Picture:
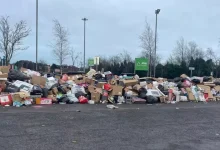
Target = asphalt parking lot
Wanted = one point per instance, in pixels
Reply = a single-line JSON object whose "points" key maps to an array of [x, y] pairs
{"points": [[184, 126]]}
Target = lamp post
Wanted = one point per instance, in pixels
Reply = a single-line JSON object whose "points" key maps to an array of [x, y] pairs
{"points": [[36, 32], [157, 11], [84, 58]]}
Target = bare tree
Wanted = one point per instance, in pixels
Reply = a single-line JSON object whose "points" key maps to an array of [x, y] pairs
{"points": [[147, 44], [210, 54], [11, 38], [42, 61], [180, 51], [74, 56], [193, 51], [60, 47], [125, 56]]}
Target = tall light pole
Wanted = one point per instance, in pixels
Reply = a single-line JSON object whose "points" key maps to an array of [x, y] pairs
{"points": [[84, 58], [36, 32], [157, 11]]}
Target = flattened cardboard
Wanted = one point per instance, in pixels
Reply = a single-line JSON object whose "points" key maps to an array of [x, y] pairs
{"points": [[113, 82], [100, 84], [217, 88], [116, 90], [207, 89], [91, 88], [128, 82], [89, 81], [95, 96], [4, 69], [16, 97], [4, 75], [38, 80], [190, 94]]}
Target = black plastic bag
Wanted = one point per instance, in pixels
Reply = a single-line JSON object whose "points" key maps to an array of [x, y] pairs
{"points": [[177, 79], [195, 81], [64, 99], [217, 82], [206, 79], [98, 76], [151, 99], [17, 75], [180, 85], [142, 93], [11, 88], [79, 93], [45, 92], [36, 90], [160, 87], [62, 89], [53, 86]]}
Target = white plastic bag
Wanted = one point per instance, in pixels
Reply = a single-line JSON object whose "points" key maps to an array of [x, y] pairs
{"points": [[72, 97], [121, 99], [50, 82], [76, 88], [31, 73]]}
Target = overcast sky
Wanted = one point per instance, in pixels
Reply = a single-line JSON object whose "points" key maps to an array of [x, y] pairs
{"points": [[115, 25]]}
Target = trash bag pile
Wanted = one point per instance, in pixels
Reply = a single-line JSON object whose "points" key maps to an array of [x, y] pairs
{"points": [[25, 87]]}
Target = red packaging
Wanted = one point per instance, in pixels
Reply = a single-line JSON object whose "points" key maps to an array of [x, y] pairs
{"points": [[107, 87], [65, 77], [5, 100], [83, 100]]}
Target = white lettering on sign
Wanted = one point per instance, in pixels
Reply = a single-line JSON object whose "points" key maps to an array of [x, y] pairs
{"points": [[46, 101]]}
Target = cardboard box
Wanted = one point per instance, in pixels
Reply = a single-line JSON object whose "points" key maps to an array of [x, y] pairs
{"points": [[43, 101], [113, 82], [89, 81], [20, 96], [4, 75], [100, 84], [4, 69], [5, 100], [116, 90], [128, 82], [137, 87], [190, 94], [217, 88], [207, 89], [162, 99], [95, 96], [93, 89], [38, 80]]}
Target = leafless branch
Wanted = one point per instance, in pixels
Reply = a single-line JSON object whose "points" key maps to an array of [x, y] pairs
{"points": [[74, 56], [61, 45], [11, 39]]}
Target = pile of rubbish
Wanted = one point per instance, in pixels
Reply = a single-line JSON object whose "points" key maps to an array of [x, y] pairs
{"points": [[26, 87]]}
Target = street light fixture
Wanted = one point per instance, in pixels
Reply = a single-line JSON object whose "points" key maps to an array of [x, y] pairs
{"points": [[157, 11], [36, 32], [84, 19]]}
